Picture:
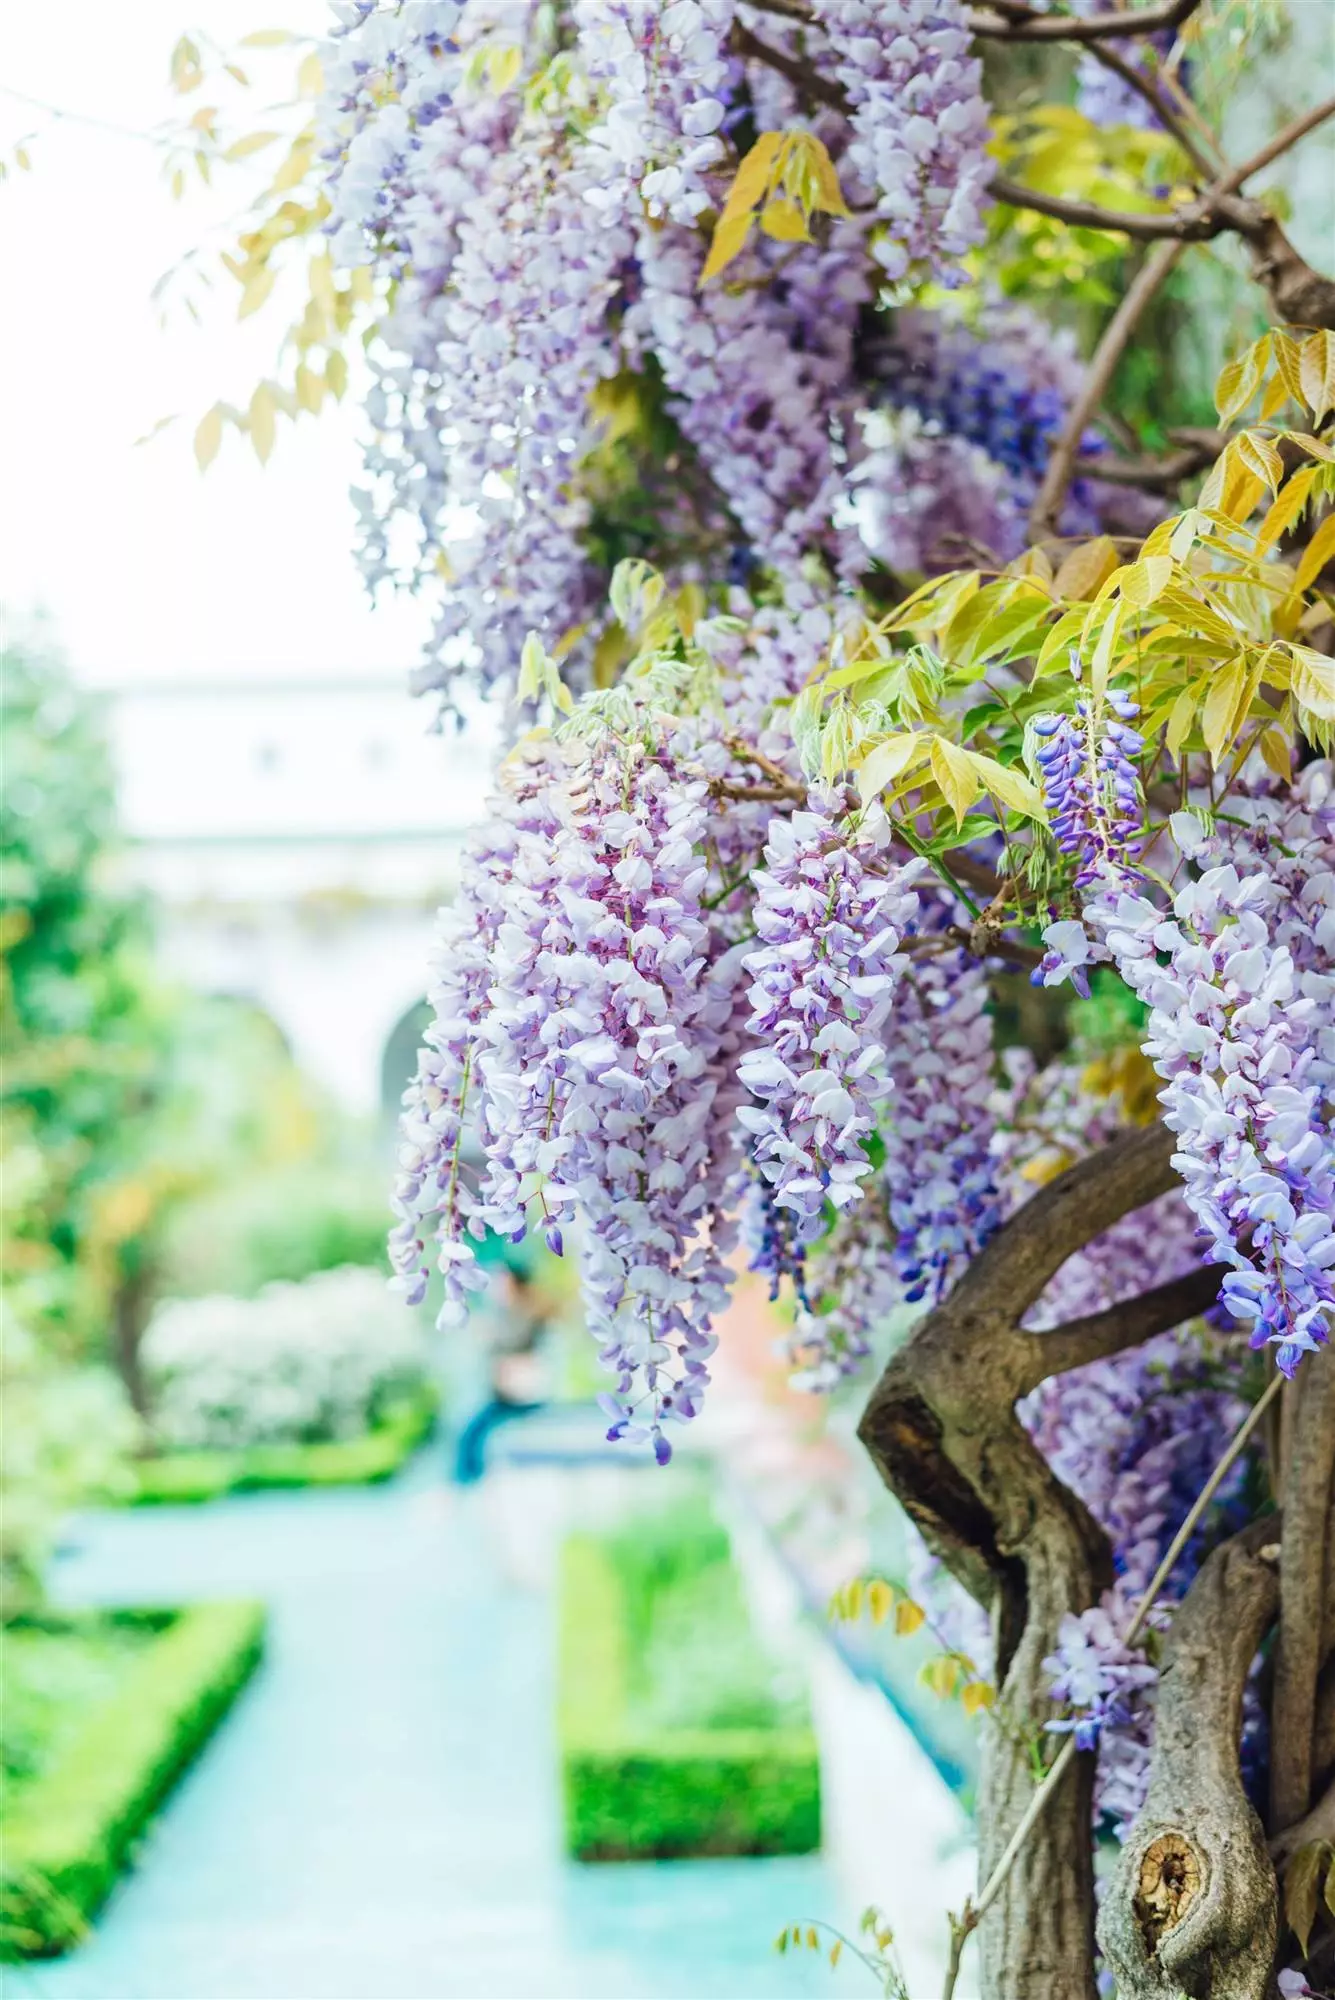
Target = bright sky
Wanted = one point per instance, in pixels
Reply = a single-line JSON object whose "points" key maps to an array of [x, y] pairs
{"points": [[148, 569]]}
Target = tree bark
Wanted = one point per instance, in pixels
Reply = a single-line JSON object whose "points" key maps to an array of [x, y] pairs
{"points": [[942, 1430], [1302, 1575], [1193, 1907]]}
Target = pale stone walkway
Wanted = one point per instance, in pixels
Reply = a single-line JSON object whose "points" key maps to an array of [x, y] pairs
{"points": [[377, 1820]]}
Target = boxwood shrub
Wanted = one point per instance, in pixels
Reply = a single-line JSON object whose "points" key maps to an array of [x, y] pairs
{"points": [[677, 1737], [183, 1477], [73, 1829]]}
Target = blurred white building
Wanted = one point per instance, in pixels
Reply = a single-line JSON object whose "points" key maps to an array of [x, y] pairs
{"points": [[299, 837]]}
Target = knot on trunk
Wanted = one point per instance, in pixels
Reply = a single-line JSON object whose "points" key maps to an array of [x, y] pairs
{"points": [[1167, 1884]]}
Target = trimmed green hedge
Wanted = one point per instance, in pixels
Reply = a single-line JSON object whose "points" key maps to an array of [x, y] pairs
{"points": [[73, 1829], [183, 1477], [640, 1780]]}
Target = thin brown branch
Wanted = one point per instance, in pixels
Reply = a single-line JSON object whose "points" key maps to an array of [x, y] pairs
{"points": [[1196, 450], [1061, 1218], [1307, 1491], [1146, 87], [804, 76], [1297, 129], [1026, 25], [1043, 518], [1101, 1334], [1182, 225]]}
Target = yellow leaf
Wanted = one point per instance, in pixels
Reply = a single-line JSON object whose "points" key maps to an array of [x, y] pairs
{"points": [[310, 75], [1302, 1882], [253, 142], [836, 1950], [1277, 751], [729, 241], [1085, 569], [1064, 634], [1316, 369], [954, 772], [880, 1600], [888, 761], [1288, 506], [1239, 382], [908, 1617], [256, 290], [1101, 665], [1260, 456], [267, 38], [977, 1696], [1312, 681], [295, 167], [208, 437], [336, 374], [853, 1595], [1220, 713], [1316, 555], [1288, 353], [261, 422], [1009, 784], [309, 387], [755, 176], [1231, 489], [784, 221], [1180, 721], [1145, 580]]}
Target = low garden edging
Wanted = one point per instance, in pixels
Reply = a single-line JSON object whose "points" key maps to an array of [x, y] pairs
{"points": [[72, 1830], [186, 1477], [675, 1736]]}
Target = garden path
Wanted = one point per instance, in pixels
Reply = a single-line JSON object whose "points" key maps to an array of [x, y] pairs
{"points": [[378, 1819]]}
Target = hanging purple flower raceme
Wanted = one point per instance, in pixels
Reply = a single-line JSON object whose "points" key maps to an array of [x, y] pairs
{"points": [[663, 74], [1091, 788], [758, 367], [1233, 1032], [938, 1172], [919, 127], [831, 913], [436, 1190]]}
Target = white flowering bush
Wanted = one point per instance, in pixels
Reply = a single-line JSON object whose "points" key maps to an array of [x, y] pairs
{"points": [[299, 1363]]}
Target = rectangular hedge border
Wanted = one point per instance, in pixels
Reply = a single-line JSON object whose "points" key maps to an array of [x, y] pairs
{"points": [[185, 1478], [72, 1833], [630, 1795]]}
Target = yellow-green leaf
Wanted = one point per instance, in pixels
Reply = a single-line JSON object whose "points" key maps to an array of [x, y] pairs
{"points": [[208, 436], [1312, 682], [1302, 1883], [1064, 634], [954, 772], [977, 1696], [259, 283], [1100, 667], [880, 1600], [888, 761], [1219, 716], [1009, 784], [336, 373], [1145, 580], [253, 142], [261, 420], [1180, 721], [1316, 369], [1288, 360], [908, 1617]]}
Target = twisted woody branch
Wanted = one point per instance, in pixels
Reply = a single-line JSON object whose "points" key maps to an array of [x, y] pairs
{"points": [[942, 1430]]}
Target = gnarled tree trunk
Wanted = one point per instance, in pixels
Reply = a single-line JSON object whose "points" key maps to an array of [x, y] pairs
{"points": [[1194, 1906]]}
